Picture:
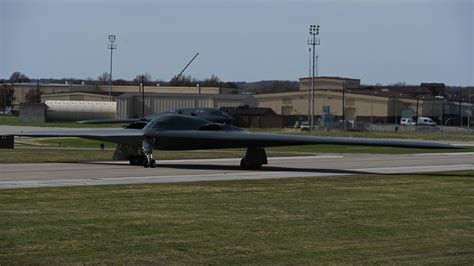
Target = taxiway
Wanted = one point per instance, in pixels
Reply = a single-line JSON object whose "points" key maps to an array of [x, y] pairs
{"points": [[108, 173]]}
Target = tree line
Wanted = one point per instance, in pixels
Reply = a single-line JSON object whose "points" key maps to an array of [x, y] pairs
{"points": [[7, 86]]}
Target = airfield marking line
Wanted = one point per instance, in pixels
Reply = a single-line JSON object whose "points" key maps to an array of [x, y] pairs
{"points": [[443, 154], [238, 159], [416, 169], [242, 175]]}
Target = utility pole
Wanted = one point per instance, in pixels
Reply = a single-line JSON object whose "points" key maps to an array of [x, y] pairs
{"points": [[396, 109], [469, 112], [460, 108], [142, 85], [313, 41], [417, 103], [344, 104], [111, 46], [4, 97]]}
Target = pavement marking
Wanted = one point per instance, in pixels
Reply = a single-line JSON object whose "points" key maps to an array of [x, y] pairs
{"points": [[246, 175]]}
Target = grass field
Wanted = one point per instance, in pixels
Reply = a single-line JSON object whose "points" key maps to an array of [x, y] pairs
{"points": [[43, 151], [10, 120], [397, 219]]}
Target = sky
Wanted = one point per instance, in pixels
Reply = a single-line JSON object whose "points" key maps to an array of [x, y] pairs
{"points": [[384, 41]]}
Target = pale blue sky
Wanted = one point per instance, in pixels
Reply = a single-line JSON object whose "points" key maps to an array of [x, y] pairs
{"points": [[376, 41]]}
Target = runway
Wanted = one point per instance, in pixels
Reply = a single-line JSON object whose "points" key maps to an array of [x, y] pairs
{"points": [[171, 171]]}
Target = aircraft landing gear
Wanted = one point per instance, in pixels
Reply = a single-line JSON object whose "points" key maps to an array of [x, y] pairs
{"points": [[137, 160], [147, 146], [254, 158], [248, 165], [152, 164]]}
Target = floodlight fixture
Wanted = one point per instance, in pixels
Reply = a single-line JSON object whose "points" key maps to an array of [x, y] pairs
{"points": [[111, 46]]}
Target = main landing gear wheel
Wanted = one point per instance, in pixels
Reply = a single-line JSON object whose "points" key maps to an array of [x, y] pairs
{"points": [[249, 165], [137, 160], [151, 165]]}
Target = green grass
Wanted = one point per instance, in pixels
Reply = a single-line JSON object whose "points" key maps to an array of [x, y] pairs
{"points": [[363, 149], [382, 135], [396, 219], [10, 120], [48, 155], [42, 155], [62, 143], [88, 151]]}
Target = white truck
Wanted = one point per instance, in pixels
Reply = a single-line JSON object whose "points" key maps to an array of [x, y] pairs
{"points": [[421, 121]]}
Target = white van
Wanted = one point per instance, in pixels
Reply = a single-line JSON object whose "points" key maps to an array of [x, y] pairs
{"points": [[426, 121], [407, 121]]}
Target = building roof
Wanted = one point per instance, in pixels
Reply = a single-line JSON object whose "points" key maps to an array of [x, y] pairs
{"points": [[329, 77], [185, 95], [83, 93]]}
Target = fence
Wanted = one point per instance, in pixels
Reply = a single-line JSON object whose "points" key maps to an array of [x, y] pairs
{"points": [[362, 126]]}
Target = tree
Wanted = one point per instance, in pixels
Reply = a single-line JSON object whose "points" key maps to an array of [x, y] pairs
{"points": [[230, 85], [183, 81], [19, 77], [34, 95], [400, 84], [213, 81], [6, 96], [283, 86], [147, 79], [121, 82], [103, 79]]}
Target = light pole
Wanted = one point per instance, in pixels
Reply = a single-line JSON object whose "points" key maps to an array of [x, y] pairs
{"points": [[313, 41], [111, 46], [441, 98], [142, 85], [396, 109], [309, 91]]}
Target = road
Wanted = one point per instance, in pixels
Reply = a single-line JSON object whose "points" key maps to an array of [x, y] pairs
{"points": [[108, 173]]}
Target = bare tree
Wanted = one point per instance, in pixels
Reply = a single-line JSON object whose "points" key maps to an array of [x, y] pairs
{"points": [[183, 81], [33, 96], [6, 96], [103, 79], [147, 79], [213, 81]]}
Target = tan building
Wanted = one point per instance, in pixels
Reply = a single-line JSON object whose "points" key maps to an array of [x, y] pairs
{"points": [[360, 104], [95, 92]]}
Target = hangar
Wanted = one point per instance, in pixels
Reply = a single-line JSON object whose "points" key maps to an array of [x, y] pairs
{"points": [[342, 98], [130, 104]]}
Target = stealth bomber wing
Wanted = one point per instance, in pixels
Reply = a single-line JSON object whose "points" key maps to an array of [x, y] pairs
{"points": [[180, 132]]}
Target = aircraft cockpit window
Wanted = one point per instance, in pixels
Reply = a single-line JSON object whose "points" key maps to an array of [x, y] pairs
{"points": [[176, 122]]}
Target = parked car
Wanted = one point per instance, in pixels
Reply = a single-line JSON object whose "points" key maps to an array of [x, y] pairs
{"points": [[305, 126], [407, 121], [426, 121]]}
